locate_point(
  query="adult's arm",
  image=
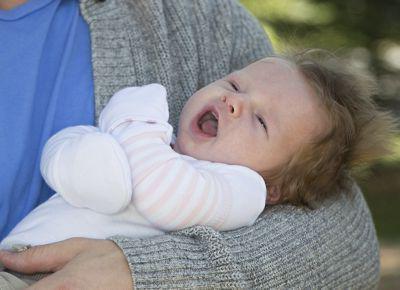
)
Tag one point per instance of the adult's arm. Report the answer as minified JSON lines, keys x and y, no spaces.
{"x":333,"y":246}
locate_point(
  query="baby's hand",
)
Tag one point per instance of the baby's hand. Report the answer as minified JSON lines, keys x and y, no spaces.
{"x":146,"y":103}
{"x":88,"y":168}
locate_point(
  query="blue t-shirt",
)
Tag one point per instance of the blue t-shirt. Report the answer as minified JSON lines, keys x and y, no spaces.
{"x":46,"y":84}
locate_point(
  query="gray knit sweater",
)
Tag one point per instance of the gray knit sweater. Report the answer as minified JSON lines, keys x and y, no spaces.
{"x":185,"y":44}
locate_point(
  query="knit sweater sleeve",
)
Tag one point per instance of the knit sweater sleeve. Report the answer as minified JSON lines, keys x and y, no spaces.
{"x":334,"y":246}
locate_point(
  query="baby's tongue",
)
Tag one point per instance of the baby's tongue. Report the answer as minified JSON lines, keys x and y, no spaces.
{"x":210,"y":127}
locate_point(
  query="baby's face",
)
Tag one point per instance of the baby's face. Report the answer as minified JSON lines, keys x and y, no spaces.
{"x":256,"y":117}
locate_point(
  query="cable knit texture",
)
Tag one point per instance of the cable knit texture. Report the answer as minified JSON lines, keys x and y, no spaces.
{"x":184,"y":45}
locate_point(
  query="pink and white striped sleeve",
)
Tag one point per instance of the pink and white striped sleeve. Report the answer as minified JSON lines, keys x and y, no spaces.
{"x":173,"y":191}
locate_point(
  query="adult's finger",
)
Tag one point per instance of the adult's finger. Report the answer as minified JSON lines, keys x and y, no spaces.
{"x":45,"y":258}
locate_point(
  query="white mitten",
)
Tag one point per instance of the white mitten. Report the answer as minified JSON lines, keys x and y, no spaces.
{"x":146,"y":103}
{"x":88,"y":168}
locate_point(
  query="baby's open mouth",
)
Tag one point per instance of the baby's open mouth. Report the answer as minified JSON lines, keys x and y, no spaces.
{"x":208,"y":123}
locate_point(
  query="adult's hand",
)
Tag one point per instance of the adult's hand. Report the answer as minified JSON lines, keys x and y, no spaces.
{"x":76,"y":263}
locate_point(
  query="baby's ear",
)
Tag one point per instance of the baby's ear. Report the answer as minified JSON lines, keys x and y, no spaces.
{"x":273,"y":194}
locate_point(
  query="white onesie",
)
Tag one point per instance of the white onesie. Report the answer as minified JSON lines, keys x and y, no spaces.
{"x":124,"y":178}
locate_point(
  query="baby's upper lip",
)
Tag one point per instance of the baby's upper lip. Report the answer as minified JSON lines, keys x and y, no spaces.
{"x":215,"y":112}
{"x":210,"y":108}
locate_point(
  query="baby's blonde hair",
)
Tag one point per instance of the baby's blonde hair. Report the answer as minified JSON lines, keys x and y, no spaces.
{"x":359,"y":132}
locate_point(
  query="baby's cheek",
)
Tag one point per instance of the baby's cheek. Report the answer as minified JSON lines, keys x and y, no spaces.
{"x":185,"y":146}
{"x":178,"y":146}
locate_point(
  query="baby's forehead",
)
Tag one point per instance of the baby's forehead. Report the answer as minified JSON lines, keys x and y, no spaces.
{"x":277,"y":63}
{"x":271,"y":70}
{"x":270,"y":65}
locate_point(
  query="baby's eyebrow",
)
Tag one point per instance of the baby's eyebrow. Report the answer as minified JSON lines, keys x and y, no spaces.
{"x":234,"y":74}
{"x":235,"y":77}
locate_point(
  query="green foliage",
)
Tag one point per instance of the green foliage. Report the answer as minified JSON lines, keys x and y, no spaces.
{"x":365,"y":30}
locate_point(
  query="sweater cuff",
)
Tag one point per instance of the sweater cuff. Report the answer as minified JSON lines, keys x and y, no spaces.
{"x":181,"y":260}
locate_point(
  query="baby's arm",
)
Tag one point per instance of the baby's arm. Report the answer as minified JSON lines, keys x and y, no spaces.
{"x":87,"y":166}
{"x":90,"y":172}
{"x":174,"y":191}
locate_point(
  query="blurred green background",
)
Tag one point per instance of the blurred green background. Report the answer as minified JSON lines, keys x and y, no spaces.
{"x":367,"y":33}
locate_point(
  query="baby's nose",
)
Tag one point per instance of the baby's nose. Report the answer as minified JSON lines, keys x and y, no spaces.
{"x":234,"y":105}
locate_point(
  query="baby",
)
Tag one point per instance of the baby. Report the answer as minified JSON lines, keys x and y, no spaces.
{"x":295,"y":126}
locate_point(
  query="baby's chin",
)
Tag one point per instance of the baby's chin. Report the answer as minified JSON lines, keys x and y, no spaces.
{"x":185,"y":149}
